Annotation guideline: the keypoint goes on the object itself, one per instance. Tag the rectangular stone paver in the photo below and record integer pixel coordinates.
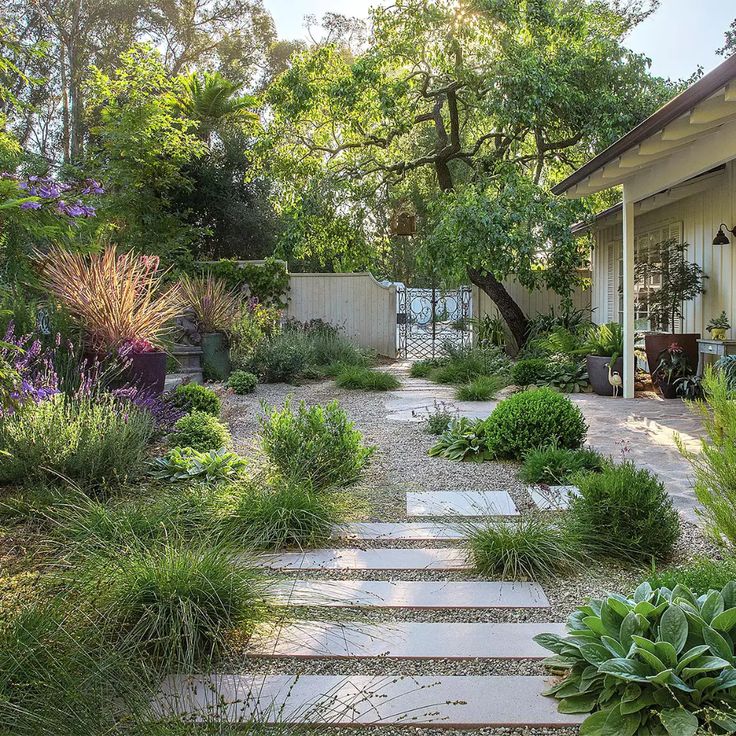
(552, 498)
(383, 558)
(410, 594)
(460, 503)
(402, 640)
(446, 702)
(410, 530)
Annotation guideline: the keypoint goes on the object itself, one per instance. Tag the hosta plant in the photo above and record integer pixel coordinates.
(660, 663)
(184, 463)
(462, 440)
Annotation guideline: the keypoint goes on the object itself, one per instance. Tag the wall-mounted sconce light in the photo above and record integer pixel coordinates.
(721, 238)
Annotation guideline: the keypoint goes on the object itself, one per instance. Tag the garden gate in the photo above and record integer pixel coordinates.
(428, 319)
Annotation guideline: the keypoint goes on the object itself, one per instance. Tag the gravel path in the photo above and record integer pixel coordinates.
(401, 464)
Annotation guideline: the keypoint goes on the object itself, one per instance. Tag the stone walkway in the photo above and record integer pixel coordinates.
(640, 429)
(438, 701)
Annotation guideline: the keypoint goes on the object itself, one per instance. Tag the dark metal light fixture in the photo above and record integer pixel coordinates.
(721, 238)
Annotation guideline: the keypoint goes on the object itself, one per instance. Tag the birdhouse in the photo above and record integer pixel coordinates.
(404, 223)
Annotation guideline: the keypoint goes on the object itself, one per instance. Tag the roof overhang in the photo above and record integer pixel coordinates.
(693, 133)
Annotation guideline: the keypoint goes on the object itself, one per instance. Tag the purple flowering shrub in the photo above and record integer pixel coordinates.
(32, 368)
(63, 198)
(162, 411)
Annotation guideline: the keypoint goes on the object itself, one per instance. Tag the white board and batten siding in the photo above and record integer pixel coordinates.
(532, 302)
(362, 308)
(695, 220)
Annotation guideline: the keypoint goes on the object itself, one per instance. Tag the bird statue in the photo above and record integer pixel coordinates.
(614, 378)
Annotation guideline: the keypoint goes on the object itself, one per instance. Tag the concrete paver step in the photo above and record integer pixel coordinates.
(402, 640)
(409, 530)
(460, 503)
(383, 558)
(445, 702)
(409, 594)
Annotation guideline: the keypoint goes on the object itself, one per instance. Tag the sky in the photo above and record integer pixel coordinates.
(681, 35)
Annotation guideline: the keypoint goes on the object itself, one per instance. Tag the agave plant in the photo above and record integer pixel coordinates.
(117, 299)
(216, 308)
(659, 663)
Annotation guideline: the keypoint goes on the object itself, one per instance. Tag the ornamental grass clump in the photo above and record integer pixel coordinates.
(700, 575)
(658, 663)
(92, 442)
(216, 308)
(175, 603)
(531, 419)
(195, 397)
(314, 444)
(365, 379)
(530, 371)
(555, 466)
(283, 514)
(531, 548)
(463, 364)
(623, 512)
(482, 388)
(118, 300)
(200, 431)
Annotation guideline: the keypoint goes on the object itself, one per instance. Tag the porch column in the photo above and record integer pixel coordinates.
(628, 288)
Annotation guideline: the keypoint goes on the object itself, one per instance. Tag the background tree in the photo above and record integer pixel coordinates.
(481, 93)
(729, 45)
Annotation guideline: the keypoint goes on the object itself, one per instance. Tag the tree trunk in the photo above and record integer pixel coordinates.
(509, 309)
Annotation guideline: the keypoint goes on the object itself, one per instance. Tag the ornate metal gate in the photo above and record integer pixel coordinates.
(428, 319)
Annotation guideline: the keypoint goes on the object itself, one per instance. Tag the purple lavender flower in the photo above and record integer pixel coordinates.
(31, 206)
(164, 414)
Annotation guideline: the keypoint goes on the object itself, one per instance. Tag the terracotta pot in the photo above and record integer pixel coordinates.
(146, 371)
(598, 373)
(654, 344)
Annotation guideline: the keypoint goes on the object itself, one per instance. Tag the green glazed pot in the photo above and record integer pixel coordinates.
(215, 356)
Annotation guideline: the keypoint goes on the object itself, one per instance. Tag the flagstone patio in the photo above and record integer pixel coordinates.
(641, 429)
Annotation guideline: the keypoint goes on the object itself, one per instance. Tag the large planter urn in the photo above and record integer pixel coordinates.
(215, 356)
(655, 343)
(598, 373)
(146, 371)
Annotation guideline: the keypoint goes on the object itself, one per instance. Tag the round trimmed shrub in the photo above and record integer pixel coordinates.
(242, 382)
(195, 397)
(529, 371)
(623, 512)
(200, 431)
(533, 419)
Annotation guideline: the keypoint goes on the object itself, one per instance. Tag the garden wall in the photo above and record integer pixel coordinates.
(364, 309)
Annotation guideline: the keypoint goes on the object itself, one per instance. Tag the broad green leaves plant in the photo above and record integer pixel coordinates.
(660, 663)
(184, 463)
(462, 440)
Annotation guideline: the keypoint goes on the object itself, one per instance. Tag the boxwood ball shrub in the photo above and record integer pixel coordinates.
(200, 431)
(315, 444)
(195, 397)
(531, 419)
(529, 371)
(624, 512)
(658, 663)
(242, 382)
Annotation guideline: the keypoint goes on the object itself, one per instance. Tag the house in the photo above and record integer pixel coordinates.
(677, 170)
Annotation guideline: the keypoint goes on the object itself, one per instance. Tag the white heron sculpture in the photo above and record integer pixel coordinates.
(614, 378)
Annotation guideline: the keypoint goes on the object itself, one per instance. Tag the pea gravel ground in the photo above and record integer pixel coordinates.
(401, 464)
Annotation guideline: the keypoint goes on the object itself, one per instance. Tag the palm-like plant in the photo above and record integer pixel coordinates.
(212, 100)
(215, 307)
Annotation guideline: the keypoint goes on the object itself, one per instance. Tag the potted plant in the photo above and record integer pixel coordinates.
(215, 309)
(672, 368)
(678, 281)
(603, 348)
(718, 326)
(121, 306)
